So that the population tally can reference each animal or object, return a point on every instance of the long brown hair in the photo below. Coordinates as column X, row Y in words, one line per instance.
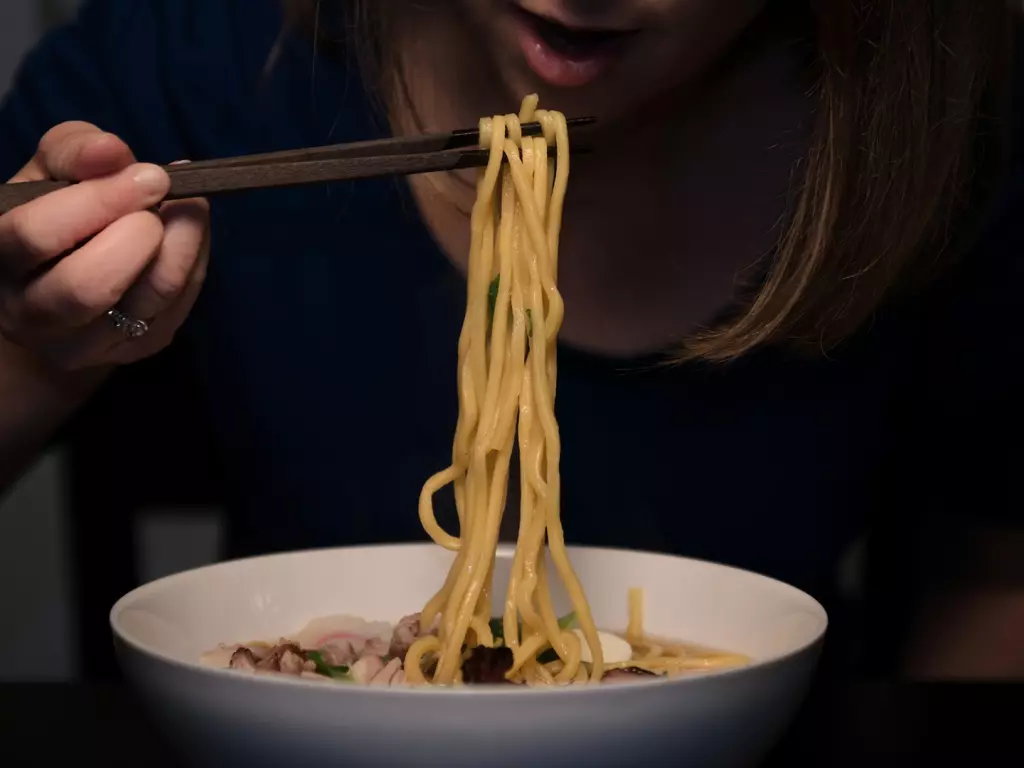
column 912, row 97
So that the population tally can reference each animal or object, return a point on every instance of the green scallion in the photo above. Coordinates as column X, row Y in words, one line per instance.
column 328, row 670
column 492, row 296
column 569, row 621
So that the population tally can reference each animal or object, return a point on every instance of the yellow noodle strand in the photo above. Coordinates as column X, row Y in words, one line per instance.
column 507, row 372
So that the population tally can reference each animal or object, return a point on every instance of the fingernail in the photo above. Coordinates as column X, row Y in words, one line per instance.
column 151, row 179
column 181, row 162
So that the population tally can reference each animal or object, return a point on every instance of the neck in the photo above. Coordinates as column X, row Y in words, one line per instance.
column 677, row 199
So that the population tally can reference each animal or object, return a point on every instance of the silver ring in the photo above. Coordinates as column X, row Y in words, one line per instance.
column 129, row 326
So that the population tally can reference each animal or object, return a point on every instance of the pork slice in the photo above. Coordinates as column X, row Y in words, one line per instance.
column 407, row 632
column 376, row 646
column 343, row 652
column 292, row 663
column 366, row 668
column 244, row 660
column 272, row 661
column 386, row 676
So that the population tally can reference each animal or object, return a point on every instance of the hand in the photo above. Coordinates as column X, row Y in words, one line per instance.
column 69, row 257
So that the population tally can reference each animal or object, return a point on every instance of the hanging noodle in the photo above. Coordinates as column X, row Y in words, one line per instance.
column 507, row 376
column 506, row 381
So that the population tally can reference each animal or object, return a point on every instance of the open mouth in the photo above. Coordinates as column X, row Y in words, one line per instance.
column 567, row 56
column 573, row 42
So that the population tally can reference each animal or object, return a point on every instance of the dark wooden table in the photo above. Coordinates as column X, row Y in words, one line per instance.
column 848, row 725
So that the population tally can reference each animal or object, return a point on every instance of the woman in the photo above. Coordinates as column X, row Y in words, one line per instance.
column 776, row 196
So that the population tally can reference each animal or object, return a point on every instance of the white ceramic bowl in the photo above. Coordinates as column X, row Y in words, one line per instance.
column 219, row 717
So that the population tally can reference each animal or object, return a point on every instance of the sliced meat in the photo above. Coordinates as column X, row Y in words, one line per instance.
column 272, row 661
column 243, row 659
column 388, row 674
column 342, row 653
column 292, row 663
column 487, row 665
column 376, row 646
column 261, row 650
column 407, row 632
column 367, row 668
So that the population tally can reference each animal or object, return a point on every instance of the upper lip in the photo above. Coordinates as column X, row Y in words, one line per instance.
column 572, row 25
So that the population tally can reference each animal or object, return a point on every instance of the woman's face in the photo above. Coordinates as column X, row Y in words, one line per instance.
column 604, row 57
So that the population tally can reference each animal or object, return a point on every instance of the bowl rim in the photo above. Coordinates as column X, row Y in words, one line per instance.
column 504, row 550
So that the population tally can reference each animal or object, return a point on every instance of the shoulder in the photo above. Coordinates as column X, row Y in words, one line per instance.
column 121, row 28
column 126, row 39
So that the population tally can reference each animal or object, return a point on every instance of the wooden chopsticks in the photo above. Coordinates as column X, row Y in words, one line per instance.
column 340, row 162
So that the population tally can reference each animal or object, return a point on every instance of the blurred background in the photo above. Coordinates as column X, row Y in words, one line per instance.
column 48, row 588
column 32, row 535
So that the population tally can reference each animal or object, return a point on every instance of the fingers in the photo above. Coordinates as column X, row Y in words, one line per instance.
column 167, row 276
column 92, row 280
column 101, row 341
column 75, row 152
column 166, row 325
column 42, row 230
column 69, row 257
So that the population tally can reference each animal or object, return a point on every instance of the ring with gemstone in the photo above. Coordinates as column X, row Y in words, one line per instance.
column 129, row 326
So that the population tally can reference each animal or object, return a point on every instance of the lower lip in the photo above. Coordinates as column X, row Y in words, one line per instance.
column 556, row 68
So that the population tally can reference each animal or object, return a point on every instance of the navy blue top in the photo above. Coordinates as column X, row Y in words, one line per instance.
column 774, row 463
